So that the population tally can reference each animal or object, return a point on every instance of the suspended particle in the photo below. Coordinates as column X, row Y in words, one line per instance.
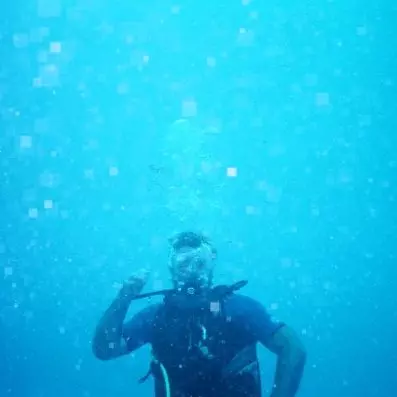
column 113, row 171
column 48, row 204
column 175, row 9
column 25, row 142
column 211, row 62
column 55, row 47
column 37, row 82
column 89, row 174
column 189, row 108
column 250, row 210
column 322, row 99
column 215, row 307
column 245, row 37
column 20, row 40
column 33, row 213
column 231, row 172
column 123, row 88
column 49, row 75
column 8, row 271
column 49, row 179
column 361, row 31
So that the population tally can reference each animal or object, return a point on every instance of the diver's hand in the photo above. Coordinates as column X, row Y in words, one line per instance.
column 134, row 285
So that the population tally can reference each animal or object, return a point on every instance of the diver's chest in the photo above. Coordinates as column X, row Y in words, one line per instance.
column 210, row 334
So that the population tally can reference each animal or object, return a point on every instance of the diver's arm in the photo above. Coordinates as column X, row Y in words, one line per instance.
column 109, row 338
column 291, row 358
column 281, row 340
column 108, row 341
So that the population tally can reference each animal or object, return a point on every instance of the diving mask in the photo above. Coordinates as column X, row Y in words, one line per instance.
column 192, row 267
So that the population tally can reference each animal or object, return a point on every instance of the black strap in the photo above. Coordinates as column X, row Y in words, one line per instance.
column 153, row 293
column 220, row 290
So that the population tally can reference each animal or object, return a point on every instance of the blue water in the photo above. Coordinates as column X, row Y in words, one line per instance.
column 269, row 125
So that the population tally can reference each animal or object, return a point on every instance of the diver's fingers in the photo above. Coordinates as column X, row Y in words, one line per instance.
column 142, row 274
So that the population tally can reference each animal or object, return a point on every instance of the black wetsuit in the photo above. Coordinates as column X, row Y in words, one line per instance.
column 204, row 353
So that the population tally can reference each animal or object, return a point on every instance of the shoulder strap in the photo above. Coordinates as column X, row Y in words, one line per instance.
column 153, row 293
column 223, row 291
column 220, row 291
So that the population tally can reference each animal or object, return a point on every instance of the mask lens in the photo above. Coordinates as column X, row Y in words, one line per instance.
column 191, row 264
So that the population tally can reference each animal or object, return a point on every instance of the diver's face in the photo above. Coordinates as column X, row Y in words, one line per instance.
column 192, row 266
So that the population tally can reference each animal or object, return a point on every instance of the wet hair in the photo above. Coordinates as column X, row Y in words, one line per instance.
column 190, row 239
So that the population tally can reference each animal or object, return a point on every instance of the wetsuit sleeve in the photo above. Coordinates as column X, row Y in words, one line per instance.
column 258, row 321
column 137, row 331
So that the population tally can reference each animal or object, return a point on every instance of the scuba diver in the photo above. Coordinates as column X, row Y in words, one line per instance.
column 203, row 337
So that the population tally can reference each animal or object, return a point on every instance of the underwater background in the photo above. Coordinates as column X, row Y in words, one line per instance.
column 269, row 125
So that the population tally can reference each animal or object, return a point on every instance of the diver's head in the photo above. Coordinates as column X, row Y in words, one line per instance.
column 192, row 261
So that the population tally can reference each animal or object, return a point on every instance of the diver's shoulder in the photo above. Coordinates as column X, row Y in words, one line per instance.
column 242, row 302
